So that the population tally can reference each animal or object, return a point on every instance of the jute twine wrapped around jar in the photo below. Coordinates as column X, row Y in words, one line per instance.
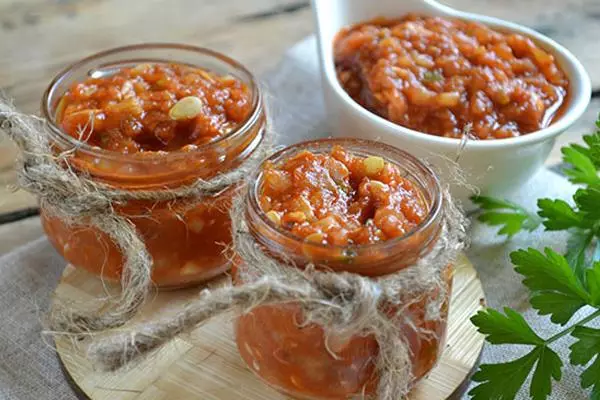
column 76, row 198
column 343, row 304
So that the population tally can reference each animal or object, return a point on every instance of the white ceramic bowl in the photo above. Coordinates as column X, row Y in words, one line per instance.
column 495, row 167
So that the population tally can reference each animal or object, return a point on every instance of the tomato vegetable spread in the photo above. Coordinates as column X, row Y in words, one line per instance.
column 155, row 126
column 342, row 199
column 154, row 107
column 344, row 206
column 437, row 75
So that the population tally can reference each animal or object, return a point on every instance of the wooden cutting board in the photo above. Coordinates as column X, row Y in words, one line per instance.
column 204, row 364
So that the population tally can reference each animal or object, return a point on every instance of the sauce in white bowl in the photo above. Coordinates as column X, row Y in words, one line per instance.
column 496, row 166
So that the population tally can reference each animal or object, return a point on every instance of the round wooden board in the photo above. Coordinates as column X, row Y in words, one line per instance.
column 205, row 364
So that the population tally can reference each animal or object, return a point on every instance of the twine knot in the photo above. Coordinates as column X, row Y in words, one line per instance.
column 76, row 198
column 343, row 304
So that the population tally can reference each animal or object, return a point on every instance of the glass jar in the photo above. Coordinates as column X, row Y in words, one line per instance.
column 186, row 240
column 292, row 357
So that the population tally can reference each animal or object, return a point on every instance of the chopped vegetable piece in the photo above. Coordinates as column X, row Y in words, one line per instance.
column 186, row 108
column 373, row 165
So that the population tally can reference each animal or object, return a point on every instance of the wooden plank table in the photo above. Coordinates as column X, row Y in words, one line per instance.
column 39, row 38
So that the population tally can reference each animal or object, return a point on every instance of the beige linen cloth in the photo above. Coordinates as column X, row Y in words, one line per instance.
column 29, row 369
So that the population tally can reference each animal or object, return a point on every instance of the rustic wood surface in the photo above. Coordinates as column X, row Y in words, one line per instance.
column 40, row 37
column 205, row 364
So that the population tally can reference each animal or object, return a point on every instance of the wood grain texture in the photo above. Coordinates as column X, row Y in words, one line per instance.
column 40, row 37
column 205, row 364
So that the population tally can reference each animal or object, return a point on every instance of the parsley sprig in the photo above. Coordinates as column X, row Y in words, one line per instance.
column 512, row 217
column 559, row 285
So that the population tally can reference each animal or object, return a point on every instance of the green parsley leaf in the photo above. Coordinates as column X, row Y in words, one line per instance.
column 559, row 285
column 548, row 367
column 502, row 329
column 593, row 284
column 582, row 168
column 558, row 215
column 512, row 217
column 512, row 223
column 556, row 291
column 503, row 381
column 591, row 376
column 586, row 347
column 561, row 307
column 577, row 245
column 588, row 202
column 592, row 150
column 547, row 271
column 593, row 143
column 583, row 351
column 581, row 149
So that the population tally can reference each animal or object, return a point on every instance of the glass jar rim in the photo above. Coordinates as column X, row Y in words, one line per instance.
column 432, row 215
column 70, row 142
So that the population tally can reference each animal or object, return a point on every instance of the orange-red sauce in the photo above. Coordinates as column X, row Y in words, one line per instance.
column 438, row 75
column 135, row 109
column 133, row 112
column 296, row 359
column 186, row 245
column 340, row 198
